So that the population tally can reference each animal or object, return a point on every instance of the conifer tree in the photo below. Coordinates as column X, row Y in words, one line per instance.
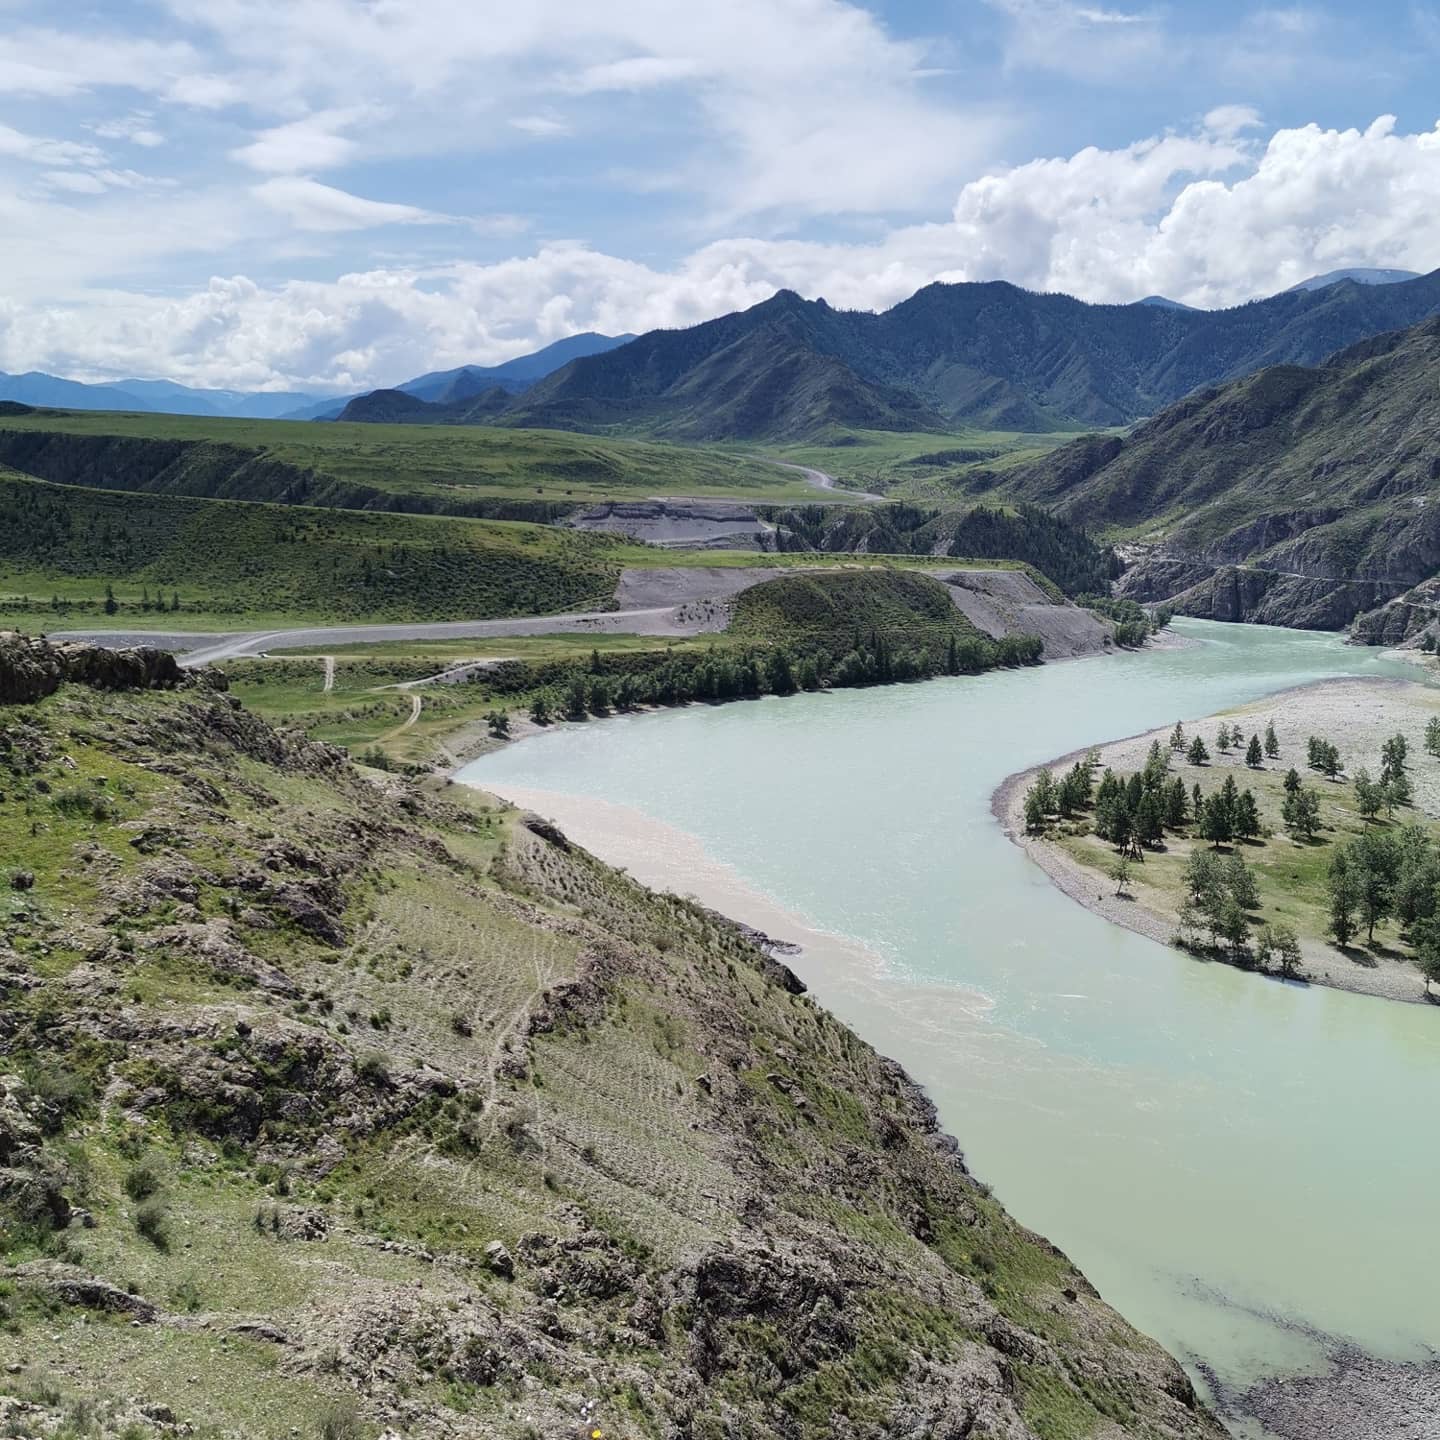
column 1197, row 754
column 1369, row 796
column 1343, row 893
column 1432, row 735
column 1149, row 820
column 1392, row 758
column 1177, row 807
column 1247, row 816
column 1272, row 742
column 1240, row 882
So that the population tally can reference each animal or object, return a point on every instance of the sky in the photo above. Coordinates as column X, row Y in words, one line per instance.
column 331, row 195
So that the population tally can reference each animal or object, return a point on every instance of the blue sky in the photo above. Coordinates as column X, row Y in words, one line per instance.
column 336, row 193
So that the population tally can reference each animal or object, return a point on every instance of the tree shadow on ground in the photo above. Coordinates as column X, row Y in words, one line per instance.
column 1358, row 956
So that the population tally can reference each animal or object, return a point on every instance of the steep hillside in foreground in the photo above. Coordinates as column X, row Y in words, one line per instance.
column 332, row 1105
column 1294, row 497
column 984, row 354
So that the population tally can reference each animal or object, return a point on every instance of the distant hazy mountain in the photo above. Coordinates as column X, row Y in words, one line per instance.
column 173, row 399
column 983, row 354
column 36, row 388
column 156, row 396
column 442, row 387
column 1360, row 277
column 514, row 375
column 169, row 398
column 1163, row 302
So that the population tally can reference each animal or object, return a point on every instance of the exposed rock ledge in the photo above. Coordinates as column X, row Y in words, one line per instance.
column 31, row 668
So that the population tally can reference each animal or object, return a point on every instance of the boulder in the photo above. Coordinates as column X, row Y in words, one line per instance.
column 500, row 1261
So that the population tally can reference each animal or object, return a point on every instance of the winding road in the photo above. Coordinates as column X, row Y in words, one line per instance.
column 194, row 650
column 821, row 481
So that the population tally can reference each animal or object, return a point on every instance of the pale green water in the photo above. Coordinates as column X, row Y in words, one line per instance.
column 1211, row 1148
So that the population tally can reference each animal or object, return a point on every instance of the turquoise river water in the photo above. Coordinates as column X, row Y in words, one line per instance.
column 1236, row 1163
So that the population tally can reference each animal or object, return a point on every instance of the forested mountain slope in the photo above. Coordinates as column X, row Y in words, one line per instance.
column 336, row 1105
column 1294, row 496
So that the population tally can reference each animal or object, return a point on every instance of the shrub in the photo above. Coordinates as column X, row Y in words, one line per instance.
column 186, row 1295
column 143, row 1179
column 85, row 803
column 152, row 1220
column 341, row 1421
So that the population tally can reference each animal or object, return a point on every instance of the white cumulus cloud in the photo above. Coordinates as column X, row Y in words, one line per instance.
column 1215, row 217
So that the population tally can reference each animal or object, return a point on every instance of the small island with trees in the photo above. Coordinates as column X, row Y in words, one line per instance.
column 1297, row 836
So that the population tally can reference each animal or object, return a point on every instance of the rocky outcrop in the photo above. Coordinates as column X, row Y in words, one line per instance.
column 32, row 668
column 29, row 670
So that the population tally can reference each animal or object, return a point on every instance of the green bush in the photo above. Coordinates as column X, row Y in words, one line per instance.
column 152, row 1220
column 84, row 802
column 341, row 1422
column 143, row 1180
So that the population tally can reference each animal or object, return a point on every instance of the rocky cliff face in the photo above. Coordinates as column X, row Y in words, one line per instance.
column 1294, row 496
column 333, row 1104
column 1252, row 594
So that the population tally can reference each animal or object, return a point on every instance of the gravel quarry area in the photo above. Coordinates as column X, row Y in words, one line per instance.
column 1008, row 602
column 688, row 524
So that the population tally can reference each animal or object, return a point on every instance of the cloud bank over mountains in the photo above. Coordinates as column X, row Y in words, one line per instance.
column 210, row 202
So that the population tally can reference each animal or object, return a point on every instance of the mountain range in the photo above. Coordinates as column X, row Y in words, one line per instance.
column 1360, row 274
column 990, row 355
column 977, row 354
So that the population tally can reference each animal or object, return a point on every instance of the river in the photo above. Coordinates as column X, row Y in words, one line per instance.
column 1243, row 1167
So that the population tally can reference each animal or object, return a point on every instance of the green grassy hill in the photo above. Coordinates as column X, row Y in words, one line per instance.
column 334, row 1105
column 228, row 557
column 908, row 605
column 455, row 470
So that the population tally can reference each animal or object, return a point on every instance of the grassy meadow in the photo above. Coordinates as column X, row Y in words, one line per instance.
column 443, row 468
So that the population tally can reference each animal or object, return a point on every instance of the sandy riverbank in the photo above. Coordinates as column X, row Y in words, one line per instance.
column 1357, row 714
